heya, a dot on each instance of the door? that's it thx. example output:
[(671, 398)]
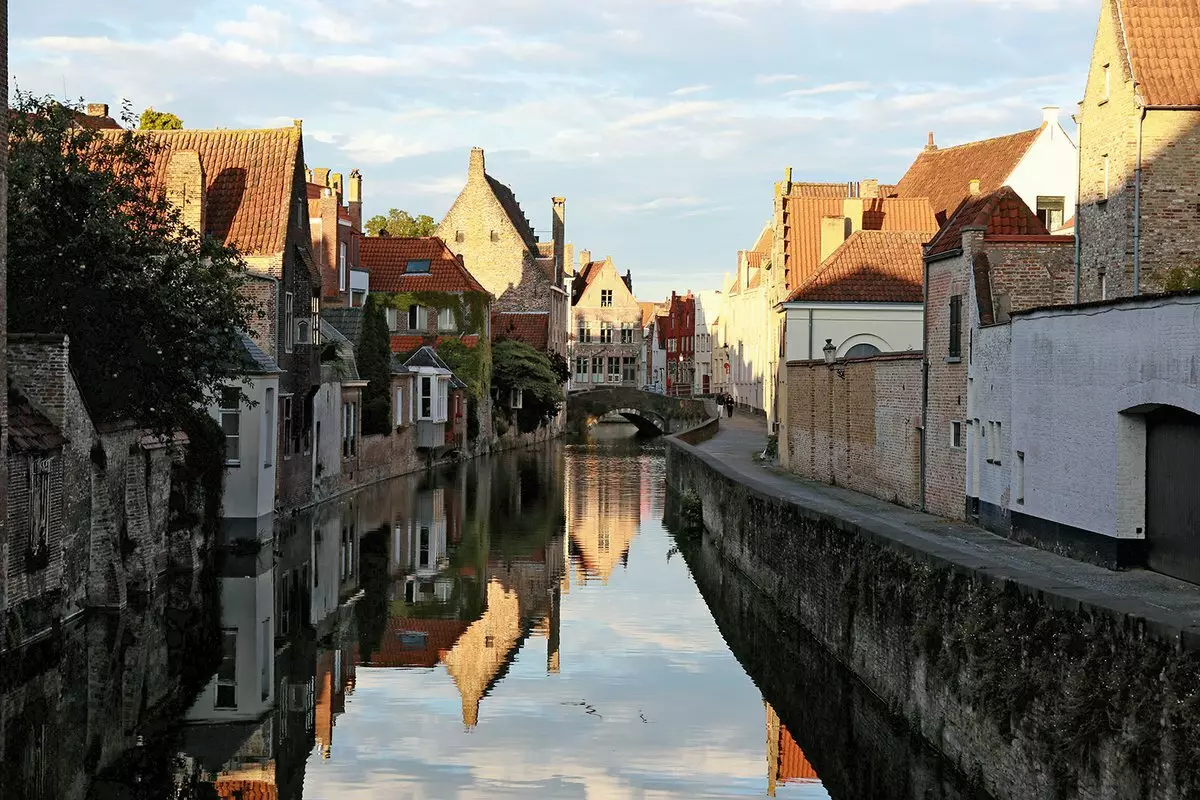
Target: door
[(1173, 493), (704, 381)]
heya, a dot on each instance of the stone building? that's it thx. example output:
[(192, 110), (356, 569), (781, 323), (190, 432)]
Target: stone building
[(993, 257), (653, 358), (606, 326), (741, 346), (487, 227), (3, 293), (1139, 149), (708, 315), (335, 219)]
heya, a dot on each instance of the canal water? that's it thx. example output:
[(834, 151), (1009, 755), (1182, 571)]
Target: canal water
[(522, 626)]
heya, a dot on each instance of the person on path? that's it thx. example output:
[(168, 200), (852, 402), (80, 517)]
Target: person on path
[(729, 405)]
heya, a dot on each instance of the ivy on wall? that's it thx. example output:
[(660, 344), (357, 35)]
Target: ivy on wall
[(470, 308)]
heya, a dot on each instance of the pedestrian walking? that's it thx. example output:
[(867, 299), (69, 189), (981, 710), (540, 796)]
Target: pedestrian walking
[(729, 405)]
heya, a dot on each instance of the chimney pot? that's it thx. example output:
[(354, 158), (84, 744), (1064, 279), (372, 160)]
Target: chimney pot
[(97, 109), (974, 187), (929, 145)]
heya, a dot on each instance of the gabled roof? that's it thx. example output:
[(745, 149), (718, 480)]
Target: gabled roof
[(345, 367), (1163, 49), (29, 430), (869, 267), (998, 213), (512, 209), (648, 312), (250, 177), (386, 258), (943, 175), (348, 321), (765, 239), (428, 357), (530, 327), (253, 360)]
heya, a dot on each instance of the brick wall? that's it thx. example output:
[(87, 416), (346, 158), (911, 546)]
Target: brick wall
[(856, 425), (25, 584), (946, 404), (3, 285), (38, 363), (1030, 274)]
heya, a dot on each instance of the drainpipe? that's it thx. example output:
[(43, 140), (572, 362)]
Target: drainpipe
[(924, 387), (1137, 207), (1078, 193), (810, 335)]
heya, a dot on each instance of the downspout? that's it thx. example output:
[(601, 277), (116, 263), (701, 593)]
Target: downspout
[(1137, 207), (1078, 194), (924, 387), (810, 335)]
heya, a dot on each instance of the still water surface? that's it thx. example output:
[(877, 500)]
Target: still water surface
[(522, 626)]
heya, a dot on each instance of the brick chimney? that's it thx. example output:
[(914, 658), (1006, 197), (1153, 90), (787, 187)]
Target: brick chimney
[(930, 145), (308, 174), (38, 364), (973, 187), (477, 169), (833, 233), (868, 189), (97, 109), (560, 222), (335, 182), (185, 187), (354, 199), (321, 176), (585, 258)]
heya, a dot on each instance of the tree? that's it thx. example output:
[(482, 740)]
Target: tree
[(153, 309), (1180, 279), (401, 223), (375, 365), (516, 365), (159, 121)]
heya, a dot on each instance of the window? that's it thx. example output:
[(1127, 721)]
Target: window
[(39, 506), (955, 326), (495, 236), (990, 437), (956, 434), (1103, 285), (1050, 212), (1104, 193), (606, 333), (264, 677), (445, 319), (289, 321), (628, 369), (997, 443), (417, 318), (418, 266), (285, 418), (581, 369), (1019, 489), (585, 333), (1107, 84), (358, 298), (862, 350), (393, 318), (626, 333), (425, 407), (349, 429), (598, 369), (614, 369), (423, 546), (341, 266), (269, 428), (231, 424), (227, 671), (516, 398), (302, 331), (398, 408), (606, 298), (459, 236)]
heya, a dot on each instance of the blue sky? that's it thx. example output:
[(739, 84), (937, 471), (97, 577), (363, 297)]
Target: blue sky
[(663, 122)]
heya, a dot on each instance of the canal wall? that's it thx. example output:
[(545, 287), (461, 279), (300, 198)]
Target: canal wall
[(1032, 689)]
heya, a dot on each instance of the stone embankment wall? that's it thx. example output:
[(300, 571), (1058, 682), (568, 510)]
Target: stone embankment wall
[(1033, 689)]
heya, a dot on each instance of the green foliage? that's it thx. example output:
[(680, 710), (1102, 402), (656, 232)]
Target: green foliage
[(205, 464), (152, 120), (516, 365), (558, 362), (153, 309), (375, 366), (1182, 278), (473, 366), (401, 223), (470, 308)]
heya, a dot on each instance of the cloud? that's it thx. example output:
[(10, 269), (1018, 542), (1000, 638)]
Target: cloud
[(686, 90), (767, 80), (377, 147), (829, 88), (660, 203), (445, 185), (671, 111)]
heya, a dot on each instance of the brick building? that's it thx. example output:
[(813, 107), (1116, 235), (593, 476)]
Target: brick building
[(3, 293), (487, 227), (335, 219), (992, 257), (677, 333), (1139, 149), (606, 326)]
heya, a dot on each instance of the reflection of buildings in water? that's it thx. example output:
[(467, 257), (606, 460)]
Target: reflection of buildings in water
[(785, 760), (604, 512), (335, 678)]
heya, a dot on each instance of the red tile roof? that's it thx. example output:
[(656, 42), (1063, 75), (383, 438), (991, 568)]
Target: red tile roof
[(387, 257), (802, 247), (944, 175), (1164, 50), (648, 312), (765, 239), (250, 178), (998, 213), (440, 637), (532, 328), (28, 429), (407, 343), (754, 258), (869, 267), (96, 123)]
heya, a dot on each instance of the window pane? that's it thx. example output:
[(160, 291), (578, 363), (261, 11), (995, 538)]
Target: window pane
[(230, 398)]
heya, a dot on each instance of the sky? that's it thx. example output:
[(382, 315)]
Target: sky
[(665, 123)]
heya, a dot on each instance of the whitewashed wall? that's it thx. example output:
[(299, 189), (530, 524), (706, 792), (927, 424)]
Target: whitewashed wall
[(892, 327)]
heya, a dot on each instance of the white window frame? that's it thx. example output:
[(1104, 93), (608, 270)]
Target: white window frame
[(445, 320), (398, 408), (956, 437), (393, 318), (349, 428), (343, 284), (1019, 479), (516, 397), (426, 395), (585, 333), (230, 411), (606, 298), (269, 428), (289, 321), (40, 470), (581, 375), (606, 333), (417, 314), (614, 376), (597, 369), (228, 637)]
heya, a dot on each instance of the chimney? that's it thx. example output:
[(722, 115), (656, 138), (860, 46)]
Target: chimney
[(930, 145), (335, 182), (569, 264), (585, 258), (308, 175), (1050, 115), (560, 221), (833, 233), (477, 169), (629, 280), (973, 189), (354, 199), (852, 210), (185, 185), (321, 176), (39, 364), (97, 109), (868, 189)]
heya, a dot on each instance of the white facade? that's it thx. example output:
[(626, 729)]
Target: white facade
[(360, 287), (654, 373), (327, 432), (709, 305), (252, 448), (1049, 169), (744, 337), (889, 327)]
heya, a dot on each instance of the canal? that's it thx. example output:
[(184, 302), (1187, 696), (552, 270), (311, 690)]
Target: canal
[(521, 626)]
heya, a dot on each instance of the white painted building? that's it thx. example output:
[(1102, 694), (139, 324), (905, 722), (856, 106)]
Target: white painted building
[(709, 305), (854, 329)]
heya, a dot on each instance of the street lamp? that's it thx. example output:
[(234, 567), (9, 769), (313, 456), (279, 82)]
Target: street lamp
[(829, 350)]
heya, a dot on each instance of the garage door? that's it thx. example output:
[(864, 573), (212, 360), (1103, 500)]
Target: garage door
[(1173, 493)]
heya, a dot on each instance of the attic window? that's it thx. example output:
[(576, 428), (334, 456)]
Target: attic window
[(417, 267), (459, 236), (495, 236)]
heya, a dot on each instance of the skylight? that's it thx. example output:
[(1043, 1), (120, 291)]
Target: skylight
[(417, 267)]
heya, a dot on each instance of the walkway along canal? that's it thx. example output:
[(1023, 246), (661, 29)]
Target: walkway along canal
[(1037, 676)]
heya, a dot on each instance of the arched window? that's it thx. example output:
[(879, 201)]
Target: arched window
[(862, 351)]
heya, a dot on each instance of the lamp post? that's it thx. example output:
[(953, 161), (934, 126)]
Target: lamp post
[(830, 351)]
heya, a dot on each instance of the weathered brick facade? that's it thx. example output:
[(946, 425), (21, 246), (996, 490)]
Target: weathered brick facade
[(3, 281), (604, 308), (857, 425), (335, 219)]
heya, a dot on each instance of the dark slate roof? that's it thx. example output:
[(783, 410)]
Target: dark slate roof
[(398, 366), (346, 365), (508, 201), (253, 360), (348, 321), (428, 357), (29, 430)]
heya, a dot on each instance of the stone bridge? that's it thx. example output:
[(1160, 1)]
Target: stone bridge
[(653, 414)]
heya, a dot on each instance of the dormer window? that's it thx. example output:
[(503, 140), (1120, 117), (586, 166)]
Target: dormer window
[(417, 267)]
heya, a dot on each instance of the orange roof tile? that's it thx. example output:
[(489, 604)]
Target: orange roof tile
[(250, 174), (386, 258), (998, 213), (1164, 51), (648, 311), (532, 327), (802, 247), (944, 175), (869, 267), (765, 239), (407, 343), (439, 636)]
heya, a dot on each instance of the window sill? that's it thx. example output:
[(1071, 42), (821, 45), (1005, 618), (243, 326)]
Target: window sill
[(233, 463), (953, 359), (1103, 102)]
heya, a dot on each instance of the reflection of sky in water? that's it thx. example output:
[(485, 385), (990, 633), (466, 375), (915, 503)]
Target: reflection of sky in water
[(641, 646)]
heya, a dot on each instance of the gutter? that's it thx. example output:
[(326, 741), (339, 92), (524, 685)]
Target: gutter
[(924, 385), (1078, 194), (1137, 207)]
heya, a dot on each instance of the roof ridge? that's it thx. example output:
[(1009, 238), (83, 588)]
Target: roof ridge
[(989, 140)]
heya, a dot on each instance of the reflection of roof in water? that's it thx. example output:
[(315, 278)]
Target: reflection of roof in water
[(397, 650)]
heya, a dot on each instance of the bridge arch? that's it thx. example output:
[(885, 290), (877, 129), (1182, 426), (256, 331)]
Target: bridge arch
[(653, 414)]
